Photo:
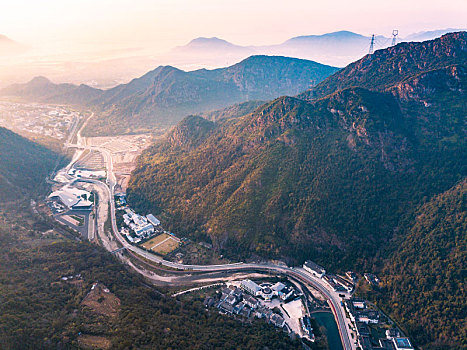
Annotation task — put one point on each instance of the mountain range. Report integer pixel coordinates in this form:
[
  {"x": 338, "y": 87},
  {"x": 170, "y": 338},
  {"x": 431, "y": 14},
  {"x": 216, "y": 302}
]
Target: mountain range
[
  {"x": 166, "y": 94},
  {"x": 341, "y": 174},
  {"x": 337, "y": 48},
  {"x": 108, "y": 69}
]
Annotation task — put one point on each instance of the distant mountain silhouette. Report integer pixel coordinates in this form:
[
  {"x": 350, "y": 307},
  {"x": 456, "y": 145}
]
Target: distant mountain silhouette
[
  {"x": 337, "y": 48},
  {"x": 165, "y": 95},
  {"x": 429, "y": 35},
  {"x": 10, "y": 47}
]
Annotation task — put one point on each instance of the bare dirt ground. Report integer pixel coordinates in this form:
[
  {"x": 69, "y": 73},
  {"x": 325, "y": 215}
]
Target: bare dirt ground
[
  {"x": 124, "y": 150},
  {"x": 87, "y": 341},
  {"x": 100, "y": 300},
  {"x": 91, "y": 160},
  {"x": 106, "y": 238}
]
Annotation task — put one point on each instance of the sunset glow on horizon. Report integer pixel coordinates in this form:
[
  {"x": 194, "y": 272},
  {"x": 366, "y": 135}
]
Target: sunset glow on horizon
[{"x": 86, "y": 25}]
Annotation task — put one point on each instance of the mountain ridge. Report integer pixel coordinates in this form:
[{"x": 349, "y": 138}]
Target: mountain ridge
[
  {"x": 366, "y": 177},
  {"x": 389, "y": 65},
  {"x": 165, "y": 95},
  {"x": 386, "y": 132}
]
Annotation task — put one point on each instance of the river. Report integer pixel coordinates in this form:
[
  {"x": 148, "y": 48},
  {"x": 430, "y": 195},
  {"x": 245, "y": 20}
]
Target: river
[{"x": 326, "y": 319}]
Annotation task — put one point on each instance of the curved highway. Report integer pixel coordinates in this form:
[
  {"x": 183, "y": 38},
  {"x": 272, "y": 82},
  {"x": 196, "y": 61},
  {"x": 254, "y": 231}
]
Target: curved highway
[{"x": 297, "y": 273}]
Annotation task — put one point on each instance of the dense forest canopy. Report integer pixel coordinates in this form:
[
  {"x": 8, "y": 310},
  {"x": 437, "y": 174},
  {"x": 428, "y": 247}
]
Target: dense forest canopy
[
  {"x": 24, "y": 165},
  {"x": 425, "y": 278},
  {"x": 366, "y": 171},
  {"x": 329, "y": 179}
]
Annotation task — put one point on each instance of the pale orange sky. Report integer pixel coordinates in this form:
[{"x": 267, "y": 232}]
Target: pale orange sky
[{"x": 90, "y": 25}]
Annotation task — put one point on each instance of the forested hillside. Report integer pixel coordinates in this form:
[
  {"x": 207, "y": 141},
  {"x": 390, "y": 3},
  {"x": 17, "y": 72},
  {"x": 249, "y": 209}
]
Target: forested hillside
[
  {"x": 234, "y": 111},
  {"x": 329, "y": 179},
  {"x": 371, "y": 174},
  {"x": 390, "y": 66},
  {"x": 424, "y": 279},
  {"x": 24, "y": 165},
  {"x": 46, "y": 281},
  {"x": 40, "y": 310}
]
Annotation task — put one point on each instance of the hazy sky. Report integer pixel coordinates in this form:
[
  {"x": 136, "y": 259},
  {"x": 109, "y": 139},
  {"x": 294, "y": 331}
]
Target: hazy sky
[{"x": 112, "y": 24}]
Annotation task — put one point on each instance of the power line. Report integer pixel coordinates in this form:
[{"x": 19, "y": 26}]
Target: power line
[
  {"x": 395, "y": 32},
  {"x": 372, "y": 44}
]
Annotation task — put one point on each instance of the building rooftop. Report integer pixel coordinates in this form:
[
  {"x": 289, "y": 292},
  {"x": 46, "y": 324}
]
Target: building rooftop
[
  {"x": 250, "y": 286},
  {"x": 402, "y": 343},
  {"x": 392, "y": 333},
  {"x": 278, "y": 286},
  {"x": 362, "y": 329},
  {"x": 231, "y": 300},
  {"x": 71, "y": 196},
  {"x": 277, "y": 320},
  {"x": 226, "y": 306},
  {"x": 313, "y": 266},
  {"x": 250, "y": 299},
  {"x": 226, "y": 291},
  {"x": 153, "y": 220}
]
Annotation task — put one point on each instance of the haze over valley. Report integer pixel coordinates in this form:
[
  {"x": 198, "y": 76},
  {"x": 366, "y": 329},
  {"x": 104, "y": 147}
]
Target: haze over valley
[{"x": 218, "y": 175}]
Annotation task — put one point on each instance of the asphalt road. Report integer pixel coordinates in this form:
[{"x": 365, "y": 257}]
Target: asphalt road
[{"x": 297, "y": 273}]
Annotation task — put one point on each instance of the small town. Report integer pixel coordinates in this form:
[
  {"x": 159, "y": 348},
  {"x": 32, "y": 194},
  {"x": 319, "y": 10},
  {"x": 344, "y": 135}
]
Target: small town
[
  {"x": 53, "y": 121},
  {"x": 279, "y": 304}
]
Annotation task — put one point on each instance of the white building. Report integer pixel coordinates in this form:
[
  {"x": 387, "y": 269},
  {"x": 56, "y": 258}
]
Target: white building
[
  {"x": 144, "y": 230},
  {"x": 314, "y": 269},
  {"x": 73, "y": 198},
  {"x": 278, "y": 287},
  {"x": 139, "y": 220},
  {"x": 153, "y": 220},
  {"x": 250, "y": 287}
]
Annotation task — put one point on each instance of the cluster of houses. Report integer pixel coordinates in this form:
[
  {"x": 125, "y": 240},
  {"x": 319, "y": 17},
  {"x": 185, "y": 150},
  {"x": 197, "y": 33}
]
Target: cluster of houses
[
  {"x": 337, "y": 283},
  {"x": 359, "y": 312},
  {"x": 361, "y": 317},
  {"x": 244, "y": 301},
  {"x": 142, "y": 226}
]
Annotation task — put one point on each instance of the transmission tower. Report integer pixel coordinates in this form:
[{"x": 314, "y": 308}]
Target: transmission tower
[
  {"x": 395, "y": 32},
  {"x": 372, "y": 44}
]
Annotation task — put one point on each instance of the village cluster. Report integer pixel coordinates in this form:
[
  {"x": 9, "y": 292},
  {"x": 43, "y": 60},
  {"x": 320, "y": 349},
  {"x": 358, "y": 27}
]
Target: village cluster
[
  {"x": 361, "y": 317},
  {"x": 268, "y": 301},
  {"x": 144, "y": 230}
]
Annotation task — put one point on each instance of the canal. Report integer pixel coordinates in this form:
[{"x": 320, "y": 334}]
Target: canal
[{"x": 326, "y": 319}]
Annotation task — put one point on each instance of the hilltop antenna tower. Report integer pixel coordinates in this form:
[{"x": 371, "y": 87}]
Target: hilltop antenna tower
[
  {"x": 372, "y": 44},
  {"x": 395, "y": 32}
]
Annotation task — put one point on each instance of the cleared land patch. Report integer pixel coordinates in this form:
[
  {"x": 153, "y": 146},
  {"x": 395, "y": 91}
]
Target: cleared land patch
[
  {"x": 162, "y": 244},
  {"x": 101, "y": 301},
  {"x": 87, "y": 341}
]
